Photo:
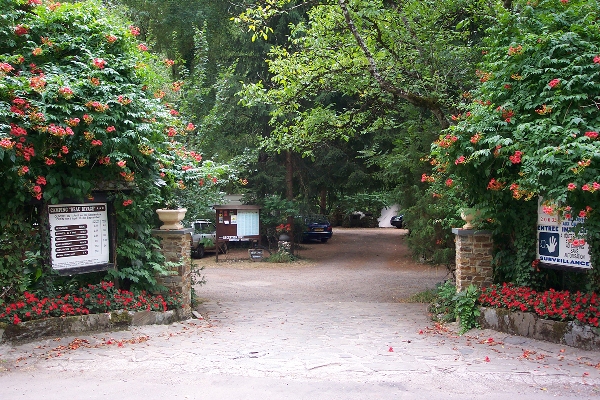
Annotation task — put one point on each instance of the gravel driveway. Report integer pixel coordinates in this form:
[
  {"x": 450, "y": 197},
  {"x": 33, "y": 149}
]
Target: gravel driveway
[
  {"x": 365, "y": 265},
  {"x": 332, "y": 326}
]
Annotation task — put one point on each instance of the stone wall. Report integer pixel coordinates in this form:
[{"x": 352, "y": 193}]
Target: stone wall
[
  {"x": 176, "y": 247},
  {"x": 474, "y": 252},
  {"x": 530, "y": 325},
  {"x": 81, "y": 324}
]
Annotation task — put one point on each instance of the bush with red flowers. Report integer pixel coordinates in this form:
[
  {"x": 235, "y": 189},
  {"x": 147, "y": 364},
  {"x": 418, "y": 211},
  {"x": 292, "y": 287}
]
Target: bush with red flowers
[
  {"x": 100, "y": 298},
  {"x": 83, "y": 109},
  {"x": 530, "y": 130},
  {"x": 550, "y": 304}
]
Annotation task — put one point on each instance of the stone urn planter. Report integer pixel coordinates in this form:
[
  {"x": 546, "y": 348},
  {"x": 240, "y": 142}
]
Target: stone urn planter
[
  {"x": 468, "y": 215},
  {"x": 171, "y": 218}
]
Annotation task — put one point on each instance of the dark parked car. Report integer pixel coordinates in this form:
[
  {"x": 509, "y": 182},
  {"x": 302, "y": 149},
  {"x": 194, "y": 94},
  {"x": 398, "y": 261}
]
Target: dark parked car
[
  {"x": 316, "y": 227},
  {"x": 397, "y": 221}
]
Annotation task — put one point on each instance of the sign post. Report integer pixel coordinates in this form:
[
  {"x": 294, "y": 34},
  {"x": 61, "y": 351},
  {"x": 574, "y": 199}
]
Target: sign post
[
  {"x": 237, "y": 223},
  {"x": 79, "y": 237},
  {"x": 558, "y": 246}
]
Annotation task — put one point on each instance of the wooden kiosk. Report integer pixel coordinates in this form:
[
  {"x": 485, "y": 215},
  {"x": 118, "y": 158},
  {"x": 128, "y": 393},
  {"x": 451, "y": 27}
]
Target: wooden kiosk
[{"x": 237, "y": 223}]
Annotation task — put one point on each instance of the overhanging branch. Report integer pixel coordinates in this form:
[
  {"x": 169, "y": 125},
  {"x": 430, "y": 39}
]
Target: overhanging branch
[{"x": 417, "y": 100}]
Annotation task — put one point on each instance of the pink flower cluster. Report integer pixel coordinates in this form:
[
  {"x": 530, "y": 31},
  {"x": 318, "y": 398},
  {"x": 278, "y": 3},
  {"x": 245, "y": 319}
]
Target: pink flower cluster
[
  {"x": 20, "y": 30},
  {"x": 56, "y": 130},
  {"x": 427, "y": 178},
  {"x": 99, "y": 63},
  {"x": 65, "y": 92},
  {"x": 493, "y": 184},
  {"x": 591, "y": 134},
  {"x": 447, "y": 141},
  {"x": 591, "y": 187},
  {"x": 588, "y": 187},
  {"x": 134, "y": 30},
  {"x": 6, "y": 67},
  {"x": 549, "y": 210}
]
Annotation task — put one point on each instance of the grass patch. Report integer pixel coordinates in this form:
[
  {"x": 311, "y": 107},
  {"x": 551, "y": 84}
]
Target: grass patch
[
  {"x": 426, "y": 296},
  {"x": 280, "y": 257}
]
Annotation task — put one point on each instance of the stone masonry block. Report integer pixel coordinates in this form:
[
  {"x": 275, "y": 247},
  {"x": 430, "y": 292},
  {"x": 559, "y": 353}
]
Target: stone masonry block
[
  {"x": 473, "y": 259},
  {"x": 176, "y": 247}
]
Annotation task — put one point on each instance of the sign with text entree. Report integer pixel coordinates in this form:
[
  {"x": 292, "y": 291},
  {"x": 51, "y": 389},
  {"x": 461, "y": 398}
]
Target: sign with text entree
[{"x": 558, "y": 242}]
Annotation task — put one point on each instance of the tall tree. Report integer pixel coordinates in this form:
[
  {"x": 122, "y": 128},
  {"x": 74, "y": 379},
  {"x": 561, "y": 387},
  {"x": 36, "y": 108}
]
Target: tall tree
[{"x": 381, "y": 70}]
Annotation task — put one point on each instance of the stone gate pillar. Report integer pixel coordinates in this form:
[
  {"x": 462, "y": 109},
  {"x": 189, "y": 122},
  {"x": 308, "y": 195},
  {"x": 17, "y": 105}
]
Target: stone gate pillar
[
  {"x": 474, "y": 252},
  {"x": 176, "y": 247}
]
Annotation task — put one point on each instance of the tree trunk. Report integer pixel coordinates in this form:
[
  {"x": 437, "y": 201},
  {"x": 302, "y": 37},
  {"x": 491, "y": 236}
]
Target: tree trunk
[
  {"x": 289, "y": 191},
  {"x": 289, "y": 176},
  {"x": 323, "y": 201}
]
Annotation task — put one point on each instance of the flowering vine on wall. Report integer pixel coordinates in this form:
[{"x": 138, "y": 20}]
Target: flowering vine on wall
[
  {"x": 531, "y": 128},
  {"x": 83, "y": 106}
]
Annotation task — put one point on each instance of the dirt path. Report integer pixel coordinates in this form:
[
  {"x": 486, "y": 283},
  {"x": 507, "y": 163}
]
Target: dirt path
[
  {"x": 332, "y": 326},
  {"x": 367, "y": 265}
]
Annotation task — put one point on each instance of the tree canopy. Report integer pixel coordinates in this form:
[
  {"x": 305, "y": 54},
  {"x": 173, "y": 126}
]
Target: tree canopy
[{"x": 349, "y": 65}]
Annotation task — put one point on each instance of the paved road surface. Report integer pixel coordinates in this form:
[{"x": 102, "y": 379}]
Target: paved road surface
[{"x": 331, "y": 327}]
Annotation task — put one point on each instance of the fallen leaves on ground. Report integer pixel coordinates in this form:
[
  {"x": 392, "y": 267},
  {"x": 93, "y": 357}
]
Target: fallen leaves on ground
[{"x": 84, "y": 343}]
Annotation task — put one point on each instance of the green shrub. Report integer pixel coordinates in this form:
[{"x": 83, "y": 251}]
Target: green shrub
[
  {"x": 82, "y": 109},
  {"x": 466, "y": 308},
  {"x": 450, "y": 305},
  {"x": 281, "y": 257},
  {"x": 442, "y": 308}
]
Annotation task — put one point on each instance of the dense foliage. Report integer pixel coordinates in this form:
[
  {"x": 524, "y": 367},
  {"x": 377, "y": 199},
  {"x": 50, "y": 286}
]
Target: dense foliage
[
  {"x": 83, "y": 109},
  {"x": 531, "y": 130}
]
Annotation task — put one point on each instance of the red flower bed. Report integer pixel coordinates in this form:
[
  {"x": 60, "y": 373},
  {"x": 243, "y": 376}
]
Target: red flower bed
[
  {"x": 91, "y": 299},
  {"x": 551, "y": 304}
]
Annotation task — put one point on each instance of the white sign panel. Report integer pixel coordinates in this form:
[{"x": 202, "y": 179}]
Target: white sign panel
[
  {"x": 247, "y": 223},
  {"x": 78, "y": 235},
  {"x": 556, "y": 239}
]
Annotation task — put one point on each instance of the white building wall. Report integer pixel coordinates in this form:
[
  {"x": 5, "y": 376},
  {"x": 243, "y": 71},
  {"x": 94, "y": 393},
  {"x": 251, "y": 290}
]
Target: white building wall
[{"x": 386, "y": 214}]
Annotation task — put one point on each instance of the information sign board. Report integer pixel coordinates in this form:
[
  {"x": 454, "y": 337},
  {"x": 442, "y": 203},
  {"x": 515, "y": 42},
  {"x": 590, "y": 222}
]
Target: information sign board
[
  {"x": 78, "y": 235},
  {"x": 247, "y": 223},
  {"x": 256, "y": 254},
  {"x": 558, "y": 244}
]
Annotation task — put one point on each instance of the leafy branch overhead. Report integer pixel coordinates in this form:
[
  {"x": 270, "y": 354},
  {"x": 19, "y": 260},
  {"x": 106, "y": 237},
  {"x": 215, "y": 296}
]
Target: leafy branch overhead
[{"x": 367, "y": 55}]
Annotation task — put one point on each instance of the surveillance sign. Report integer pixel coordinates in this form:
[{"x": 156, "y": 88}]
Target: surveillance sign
[
  {"x": 558, "y": 244},
  {"x": 78, "y": 235}
]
